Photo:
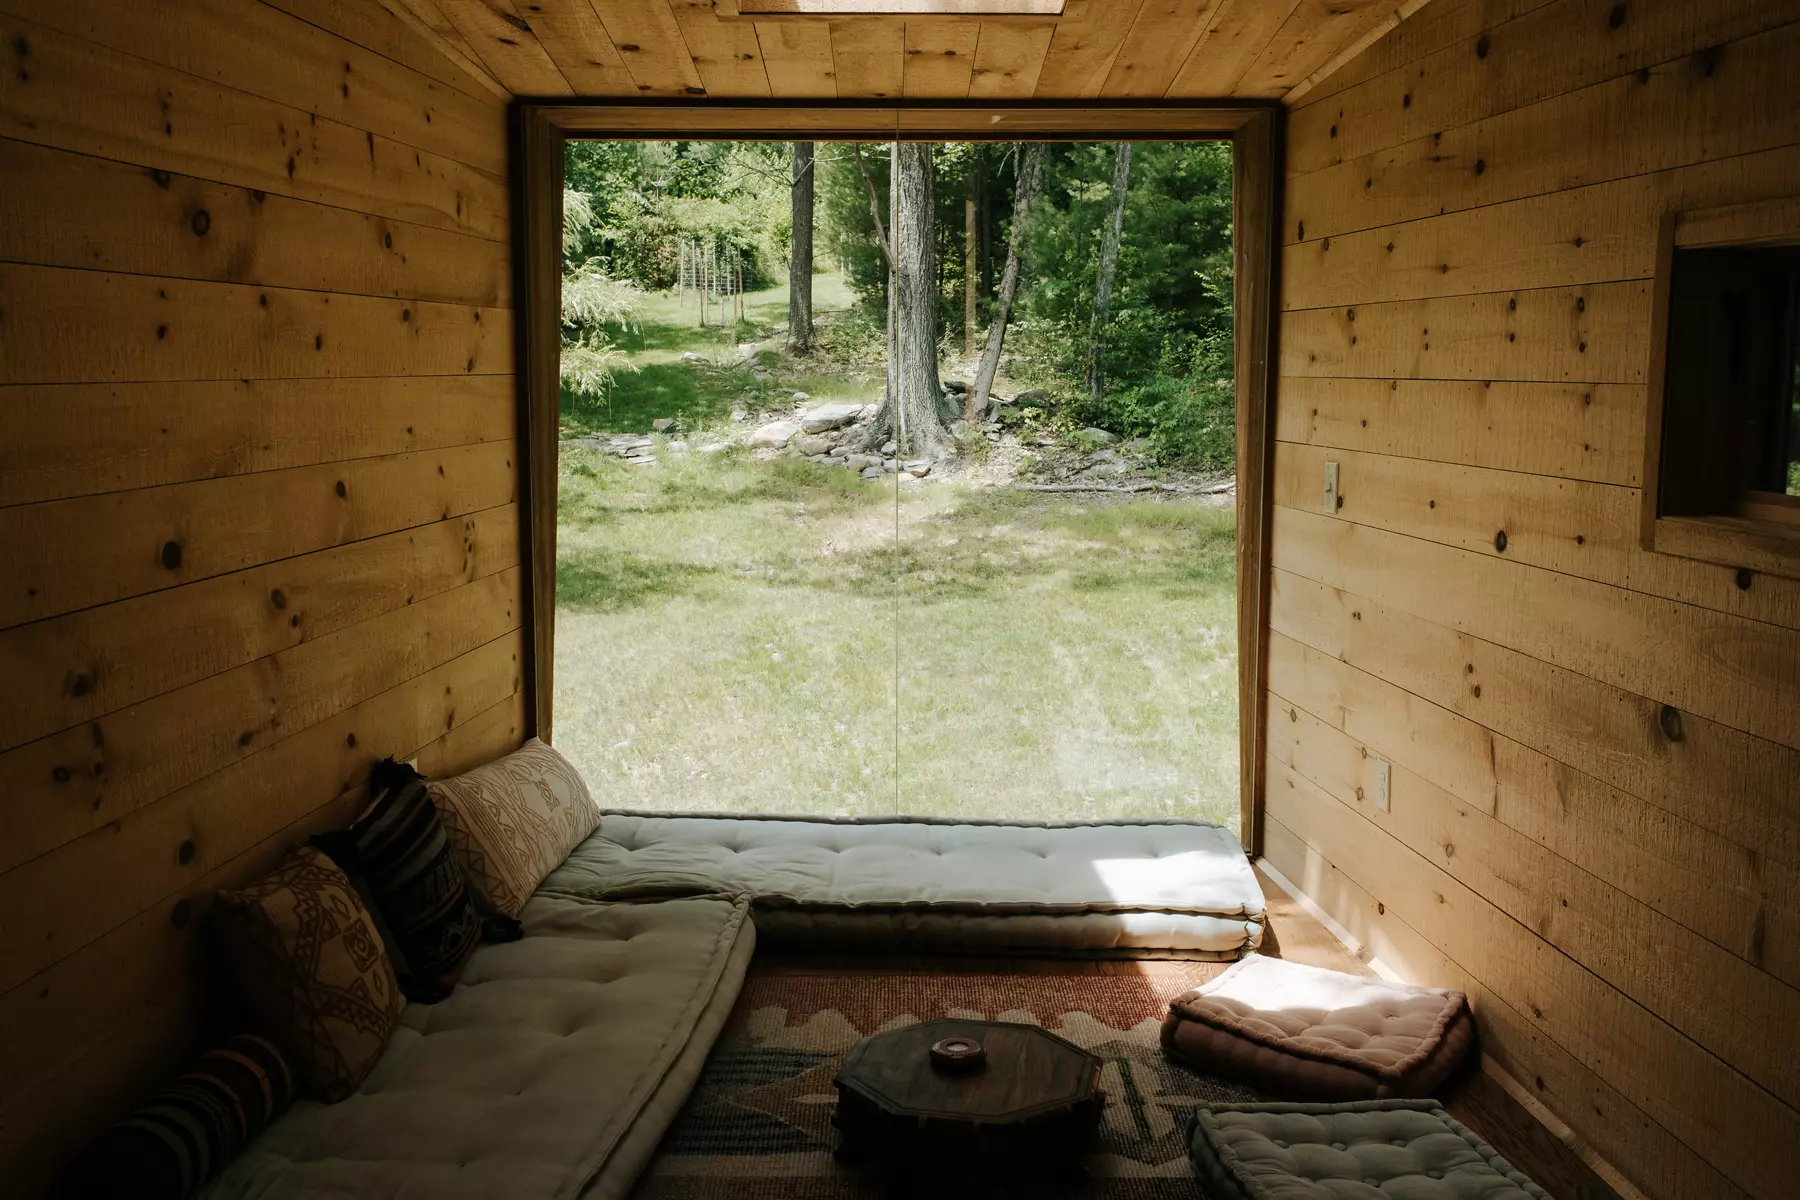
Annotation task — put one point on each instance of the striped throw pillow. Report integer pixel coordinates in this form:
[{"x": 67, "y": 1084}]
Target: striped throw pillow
[
  {"x": 400, "y": 859},
  {"x": 193, "y": 1127}
]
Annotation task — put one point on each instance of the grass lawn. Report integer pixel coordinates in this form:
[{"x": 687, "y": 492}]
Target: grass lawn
[
  {"x": 780, "y": 636},
  {"x": 745, "y": 636}
]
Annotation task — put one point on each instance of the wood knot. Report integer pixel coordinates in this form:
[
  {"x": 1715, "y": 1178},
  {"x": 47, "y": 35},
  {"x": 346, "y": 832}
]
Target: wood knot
[
  {"x": 201, "y": 222},
  {"x": 171, "y": 555},
  {"x": 1669, "y": 718}
]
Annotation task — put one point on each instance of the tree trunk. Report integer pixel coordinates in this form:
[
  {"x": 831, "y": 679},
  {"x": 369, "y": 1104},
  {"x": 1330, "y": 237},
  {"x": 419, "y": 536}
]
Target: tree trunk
[
  {"x": 971, "y": 267},
  {"x": 919, "y": 416},
  {"x": 800, "y": 262},
  {"x": 1031, "y": 166},
  {"x": 1109, "y": 265}
]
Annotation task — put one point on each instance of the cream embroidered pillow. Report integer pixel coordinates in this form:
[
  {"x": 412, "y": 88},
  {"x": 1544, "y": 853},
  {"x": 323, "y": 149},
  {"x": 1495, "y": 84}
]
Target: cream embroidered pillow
[{"x": 514, "y": 821}]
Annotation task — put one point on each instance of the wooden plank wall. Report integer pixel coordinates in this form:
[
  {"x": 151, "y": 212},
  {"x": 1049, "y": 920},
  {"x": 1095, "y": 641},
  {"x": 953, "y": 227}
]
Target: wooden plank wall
[
  {"x": 1595, "y": 803},
  {"x": 257, "y": 490}
]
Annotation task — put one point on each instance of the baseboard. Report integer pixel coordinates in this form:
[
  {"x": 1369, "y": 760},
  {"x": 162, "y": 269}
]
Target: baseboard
[{"x": 1519, "y": 1093}]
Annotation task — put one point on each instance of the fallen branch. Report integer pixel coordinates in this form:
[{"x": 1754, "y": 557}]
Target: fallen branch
[{"x": 1217, "y": 489}]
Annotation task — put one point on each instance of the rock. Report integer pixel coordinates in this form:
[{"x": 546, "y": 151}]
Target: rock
[
  {"x": 871, "y": 472},
  {"x": 808, "y": 444},
  {"x": 1031, "y": 398},
  {"x": 890, "y": 465},
  {"x": 1101, "y": 435},
  {"x": 829, "y": 416},
  {"x": 738, "y": 414},
  {"x": 678, "y": 445},
  {"x": 860, "y": 461},
  {"x": 775, "y": 434},
  {"x": 763, "y": 375},
  {"x": 663, "y": 423},
  {"x": 992, "y": 435},
  {"x": 959, "y": 386},
  {"x": 918, "y": 467},
  {"x": 818, "y": 458},
  {"x": 959, "y": 428},
  {"x": 714, "y": 448},
  {"x": 889, "y": 447},
  {"x": 801, "y": 397},
  {"x": 1137, "y": 446}
]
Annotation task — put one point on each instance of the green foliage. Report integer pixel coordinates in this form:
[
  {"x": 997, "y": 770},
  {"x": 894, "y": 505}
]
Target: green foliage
[{"x": 592, "y": 301}]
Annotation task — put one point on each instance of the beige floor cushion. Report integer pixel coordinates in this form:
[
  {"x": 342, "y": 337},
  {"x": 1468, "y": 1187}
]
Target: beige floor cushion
[
  {"x": 1304, "y": 1033},
  {"x": 1380, "y": 1149},
  {"x": 1178, "y": 889},
  {"x": 549, "y": 1073}
]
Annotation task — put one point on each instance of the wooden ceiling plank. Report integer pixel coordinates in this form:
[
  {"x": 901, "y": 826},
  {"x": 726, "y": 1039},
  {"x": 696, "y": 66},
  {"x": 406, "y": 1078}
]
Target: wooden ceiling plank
[
  {"x": 398, "y": 36},
  {"x": 869, "y": 57},
  {"x": 940, "y": 59},
  {"x": 1081, "y": 54},
  {"x": 797, "y": 58},
  {"x": 1386, "y": 20},
  {"x": 1157, "y": 45},
  {"x": 1240, "y": 31},
  {"x": 1009, "y": 59},
  {"x": 504, "y": 41},
  {"x": 1312, "y": 36},
  {"x": 423, "y": 17},
  {"x": 650, "y": 42},
  {"x": 571, "y": 33},
  {"x": 726, "y": 53}
]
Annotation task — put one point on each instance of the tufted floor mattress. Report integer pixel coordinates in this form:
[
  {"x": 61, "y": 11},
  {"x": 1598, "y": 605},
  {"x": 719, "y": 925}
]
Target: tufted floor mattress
[
  {"x": 1374, "y": 1149},
  {"x": 550, "y": 1073},
  {"x": 1128, "y": 889}
]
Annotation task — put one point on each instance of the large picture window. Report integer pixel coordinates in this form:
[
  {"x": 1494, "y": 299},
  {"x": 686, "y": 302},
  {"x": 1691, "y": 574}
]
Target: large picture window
[{"x": 898, "y": 475}]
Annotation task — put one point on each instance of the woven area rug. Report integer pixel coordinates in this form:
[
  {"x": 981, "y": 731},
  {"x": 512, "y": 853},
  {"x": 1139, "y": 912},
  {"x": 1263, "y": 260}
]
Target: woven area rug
[{"x": 758, "y": 1126}]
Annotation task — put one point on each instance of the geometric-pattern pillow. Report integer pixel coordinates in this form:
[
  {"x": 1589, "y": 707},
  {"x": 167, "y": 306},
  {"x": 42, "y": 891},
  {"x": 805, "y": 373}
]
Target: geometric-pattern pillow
[
  {"x": 514, "y": 821},
  {"x": 193, "y": 1127},
  {"x": 307, "y": 957},
  {"x": 399, "y": 858}
]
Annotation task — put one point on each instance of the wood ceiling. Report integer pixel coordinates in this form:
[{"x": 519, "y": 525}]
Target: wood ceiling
[{"x": 1142, "y": 49}]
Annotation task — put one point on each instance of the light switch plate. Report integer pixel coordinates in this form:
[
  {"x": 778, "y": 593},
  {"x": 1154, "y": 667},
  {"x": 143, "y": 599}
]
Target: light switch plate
[
  {"x": 1331, "y": 487},
  {"x": 1381, "y": 784}
]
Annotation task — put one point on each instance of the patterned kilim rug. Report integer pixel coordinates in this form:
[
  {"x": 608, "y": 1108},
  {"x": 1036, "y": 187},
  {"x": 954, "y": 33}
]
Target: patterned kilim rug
[{"x": 758, "y": 1126}]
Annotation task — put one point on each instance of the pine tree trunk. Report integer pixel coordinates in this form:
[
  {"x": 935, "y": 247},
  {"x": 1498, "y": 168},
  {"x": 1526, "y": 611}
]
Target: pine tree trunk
[
  {"x": 800, "y": 262},
  {"x": 1031, "y": 166},
  {"x": 1109, "y": 265}
]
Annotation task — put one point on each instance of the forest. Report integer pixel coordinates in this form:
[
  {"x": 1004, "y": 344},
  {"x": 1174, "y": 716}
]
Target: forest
[
  {"x": 899, "y": 478},
  {"x": 1096, "y": 277}
]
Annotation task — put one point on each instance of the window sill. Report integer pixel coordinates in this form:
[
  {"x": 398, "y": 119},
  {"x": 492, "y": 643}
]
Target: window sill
[{"x": 1770, "y": 547}]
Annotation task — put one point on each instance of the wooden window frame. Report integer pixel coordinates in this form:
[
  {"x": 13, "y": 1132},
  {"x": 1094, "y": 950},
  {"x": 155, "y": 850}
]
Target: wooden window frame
[
  {"x": 539, "y": 130},
  {"x": 1764, "y": 533}
]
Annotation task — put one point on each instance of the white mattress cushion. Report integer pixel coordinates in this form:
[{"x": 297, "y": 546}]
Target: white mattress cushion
[
  {"x": 527, "y": 1079},
  {"x": 1176, "y": 887}
]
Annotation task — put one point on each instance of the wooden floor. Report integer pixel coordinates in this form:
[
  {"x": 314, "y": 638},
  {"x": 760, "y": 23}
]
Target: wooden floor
[{"x": 1475, "y": 1099}]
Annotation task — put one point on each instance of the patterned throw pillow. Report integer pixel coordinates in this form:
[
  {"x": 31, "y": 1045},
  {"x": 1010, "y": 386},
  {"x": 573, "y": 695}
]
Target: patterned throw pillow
[
  {"x": 196, "y": 1125},
  {"x": 399, "y": 859},
  {"x": 515, "y": 820},
  {"x": 310, "y": 962}
]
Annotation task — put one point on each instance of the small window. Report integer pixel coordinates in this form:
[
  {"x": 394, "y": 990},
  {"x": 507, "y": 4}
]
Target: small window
[{"x": 1724, "y": 470}]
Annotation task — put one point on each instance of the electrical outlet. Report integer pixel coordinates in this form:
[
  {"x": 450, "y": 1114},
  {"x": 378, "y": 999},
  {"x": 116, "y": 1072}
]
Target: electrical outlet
[
  {"x": 1381, "y": 784},
  {"x": 1331, "y": 487}
]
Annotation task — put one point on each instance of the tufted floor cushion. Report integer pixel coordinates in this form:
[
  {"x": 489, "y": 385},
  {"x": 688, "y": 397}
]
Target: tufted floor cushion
[
  {"x": 1305, "y": 1033},
  {"x": 1176, "y": 889},
  {"x": 1373, "y": 1149},
  {"x": 550, "y": 1072}
]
